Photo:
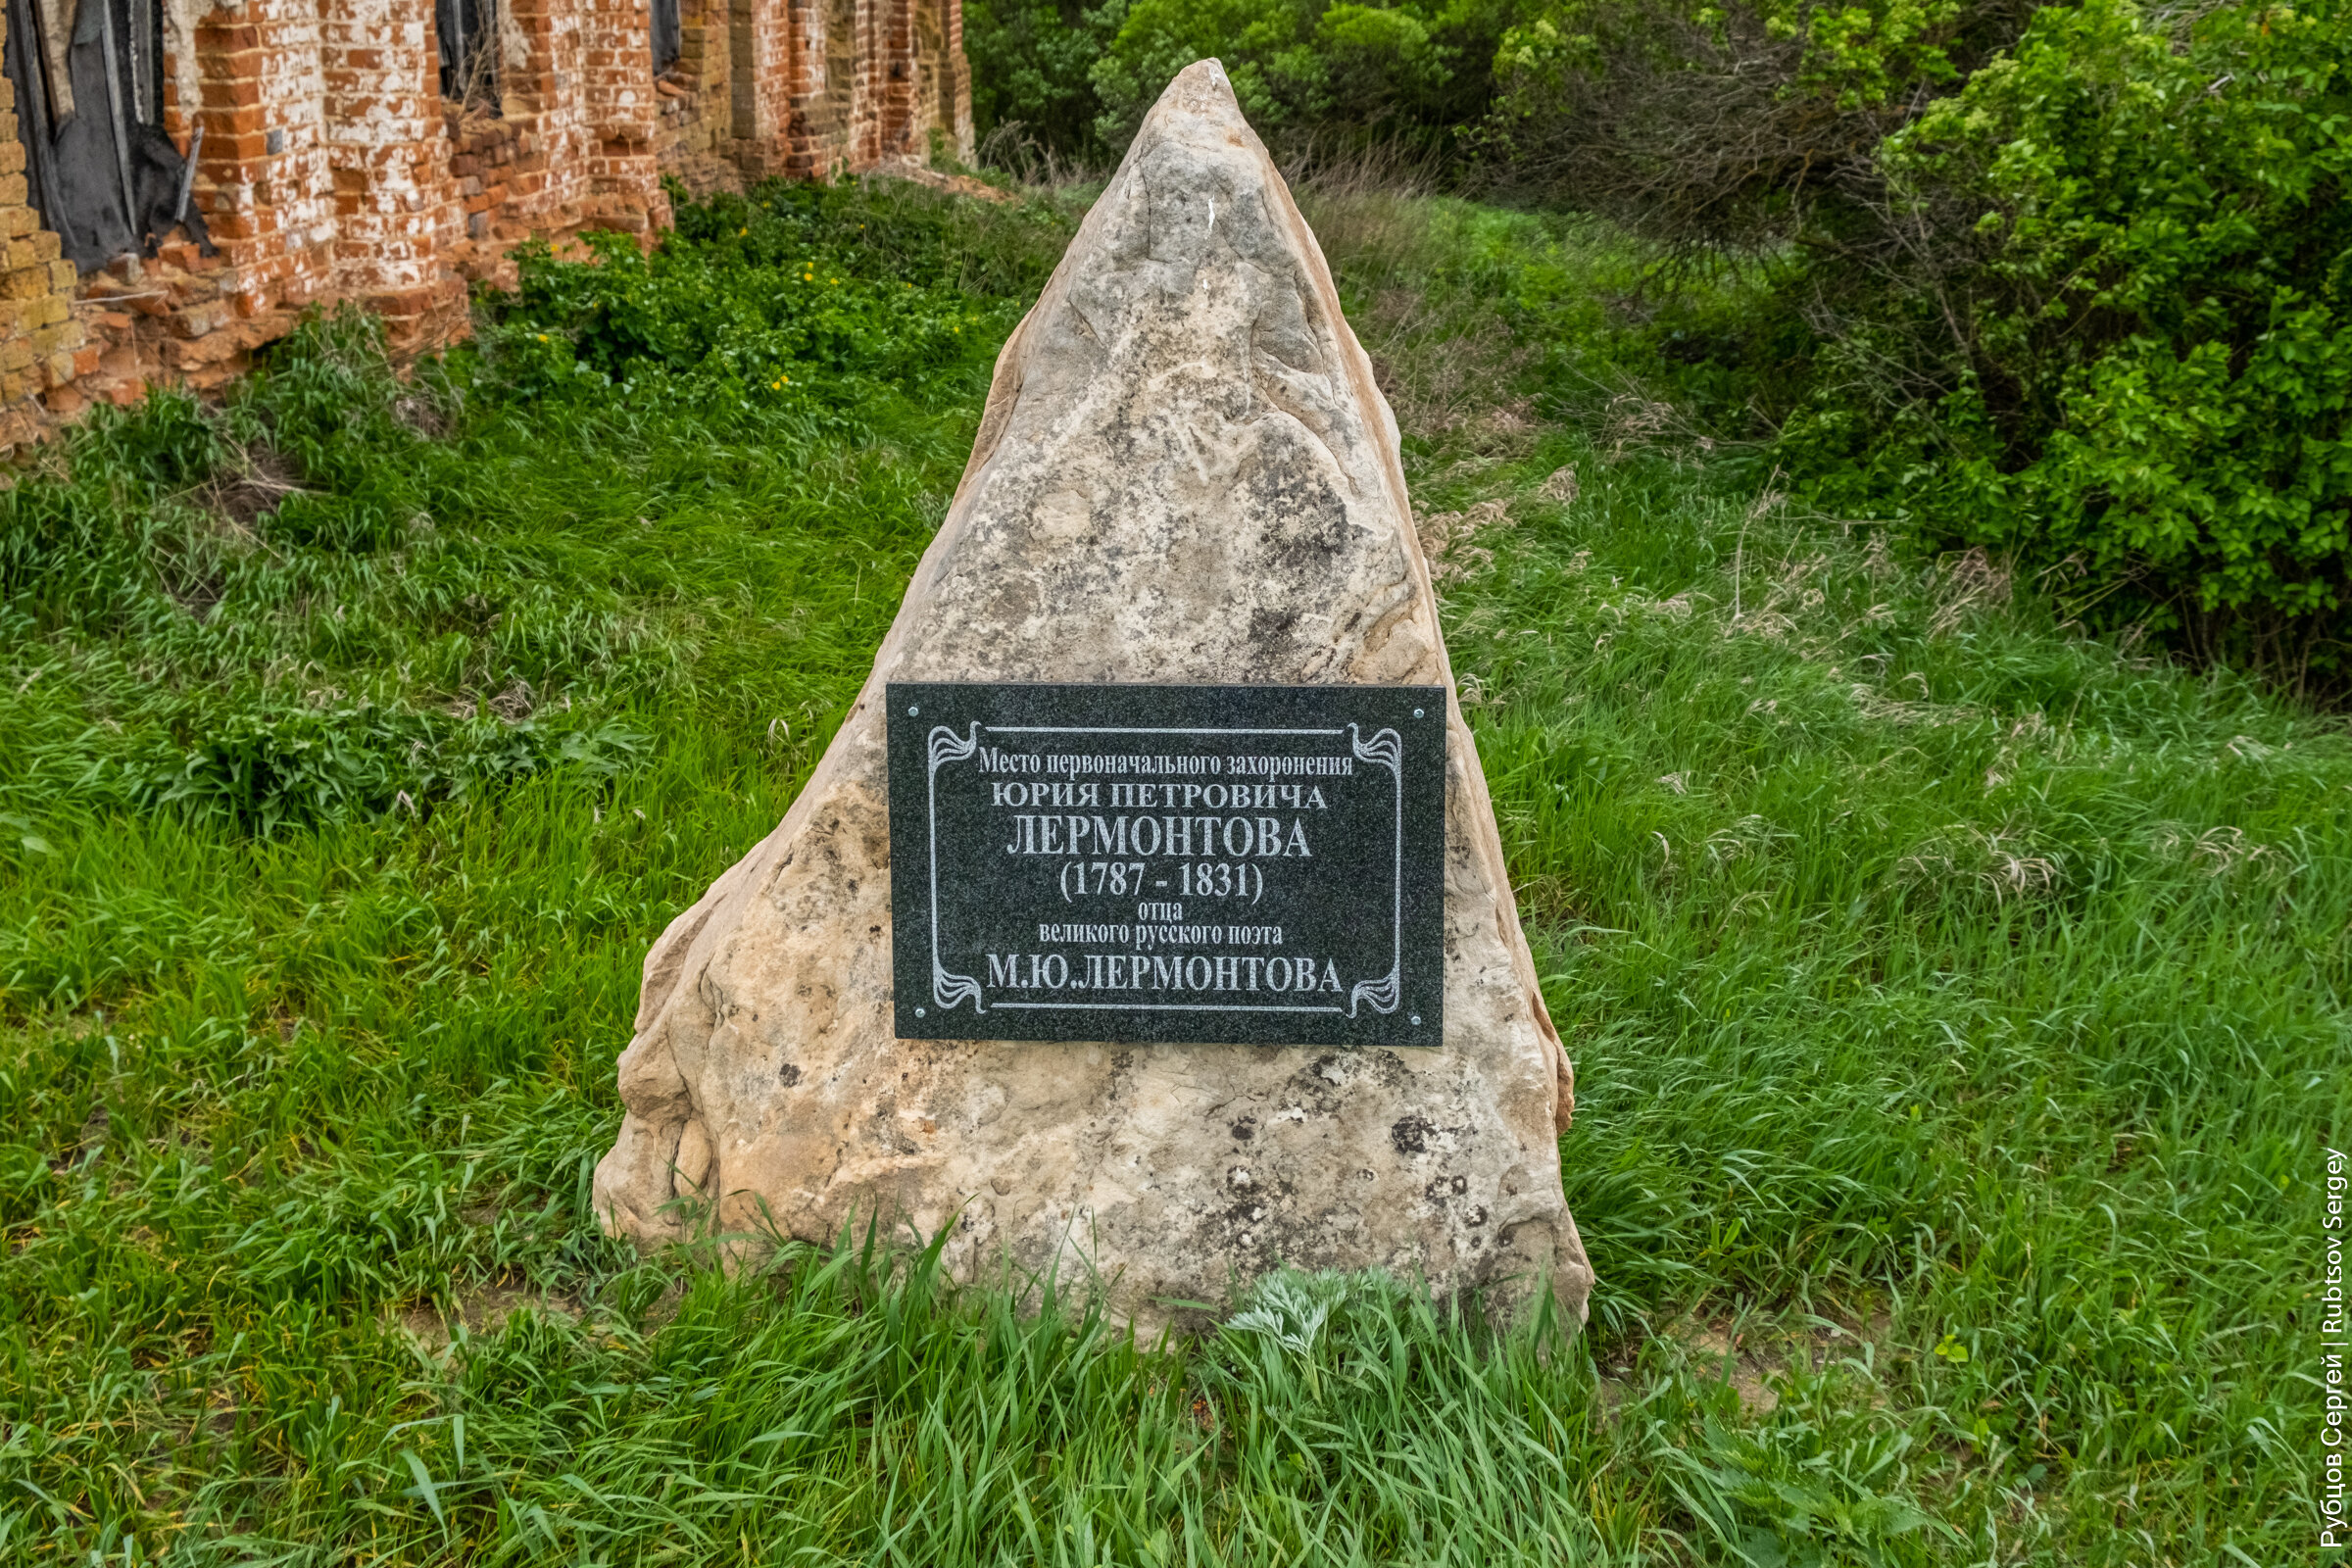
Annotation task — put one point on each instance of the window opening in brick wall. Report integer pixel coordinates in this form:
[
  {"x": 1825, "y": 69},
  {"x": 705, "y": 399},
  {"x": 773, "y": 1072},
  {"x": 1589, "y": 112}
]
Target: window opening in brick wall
[
  {"x": 669, "y": 34},
  {"x": 468, "y": 34},
  {"x": 90, "y": 86}
]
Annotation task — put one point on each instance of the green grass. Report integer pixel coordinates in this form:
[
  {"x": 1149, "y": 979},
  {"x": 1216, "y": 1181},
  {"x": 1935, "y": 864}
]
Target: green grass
[{"x": 1956, "y": 999}]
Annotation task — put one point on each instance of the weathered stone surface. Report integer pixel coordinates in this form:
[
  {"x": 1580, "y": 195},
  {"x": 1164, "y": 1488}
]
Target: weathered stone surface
[{"x": 1185, "y": 473}]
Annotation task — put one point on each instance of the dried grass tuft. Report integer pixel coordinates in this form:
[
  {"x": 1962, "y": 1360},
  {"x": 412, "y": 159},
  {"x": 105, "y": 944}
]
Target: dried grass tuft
[
  {"x": 1967, "y": 585},
  {"x": 2003, "y": 863},
  {"x": 1446, "y": 538}
]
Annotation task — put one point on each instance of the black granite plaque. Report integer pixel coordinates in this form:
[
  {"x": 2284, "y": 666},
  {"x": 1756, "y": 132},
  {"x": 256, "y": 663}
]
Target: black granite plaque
[{"x": 1261, "y": 864}]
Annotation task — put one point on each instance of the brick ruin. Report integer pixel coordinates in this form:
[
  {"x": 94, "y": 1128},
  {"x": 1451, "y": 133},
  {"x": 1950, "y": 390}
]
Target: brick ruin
[{"x": 391, "y": 151}]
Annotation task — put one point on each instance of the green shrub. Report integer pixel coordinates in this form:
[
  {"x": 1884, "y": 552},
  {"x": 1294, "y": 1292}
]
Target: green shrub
[
  {"x": 1707, "y": 124},
  {"x": 1414, "y": 73},
  {"x": 1032, "y": 76},
  {"x": 766, "y": 316},
  {"x": 2103, "y": 322},
  {"x": 791, "y": 307},
  {"x": 1079, "y": 80},
  {"x": 2066, "y": 282}
]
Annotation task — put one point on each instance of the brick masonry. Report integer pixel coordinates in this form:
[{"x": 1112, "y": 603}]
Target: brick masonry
[{"x": 332, "y": 167}]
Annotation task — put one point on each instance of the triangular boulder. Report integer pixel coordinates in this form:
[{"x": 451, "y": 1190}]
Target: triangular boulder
[{"x": 1185, "y": 474}]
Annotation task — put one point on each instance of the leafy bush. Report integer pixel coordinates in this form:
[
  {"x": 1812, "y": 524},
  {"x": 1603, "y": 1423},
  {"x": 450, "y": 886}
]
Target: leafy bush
[
  {"x": 753, "y": 310},
  {"x": 2066, "y": 282},
  {"x": 1301, "y": 69},
  {"x": 2102, "y": 320},
  {"x": 1075, "y": 82},
  {"x": 1744, "y": 123},
  {"x": 1032, "y": 76}
]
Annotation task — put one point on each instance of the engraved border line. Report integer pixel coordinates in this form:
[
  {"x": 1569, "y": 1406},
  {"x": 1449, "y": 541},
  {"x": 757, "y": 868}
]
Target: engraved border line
[
  {"x": 1364, "y": 990},
  {"x": 1162, "y": 1007},
  {"x": 1106, "y": 729}
]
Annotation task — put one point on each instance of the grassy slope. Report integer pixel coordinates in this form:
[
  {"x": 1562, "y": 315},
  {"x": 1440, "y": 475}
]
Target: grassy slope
[{"x": 1953, "y": 1000}]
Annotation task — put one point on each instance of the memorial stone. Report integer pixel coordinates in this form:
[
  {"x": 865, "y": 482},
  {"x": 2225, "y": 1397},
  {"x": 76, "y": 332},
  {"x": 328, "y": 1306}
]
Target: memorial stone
[{"x": 1185, "y": 477}]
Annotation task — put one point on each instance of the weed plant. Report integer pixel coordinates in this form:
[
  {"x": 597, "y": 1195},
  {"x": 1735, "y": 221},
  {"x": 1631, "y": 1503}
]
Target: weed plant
[{"x": 1953, "y": 996}]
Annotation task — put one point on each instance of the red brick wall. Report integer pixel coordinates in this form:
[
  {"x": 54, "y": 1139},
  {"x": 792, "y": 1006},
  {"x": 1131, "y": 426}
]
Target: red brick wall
[
  {"x": 331, "y": 168},
  {"x": 396, "y": 201}
]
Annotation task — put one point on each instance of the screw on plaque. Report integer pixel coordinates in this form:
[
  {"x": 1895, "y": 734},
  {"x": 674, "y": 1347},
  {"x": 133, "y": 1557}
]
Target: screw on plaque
[
  {"x": 911, "y": 711},
  {"x": 1416, "y": 712},
  {"x": 1416, "y": 1020},
  {"x": 918, "y": 1012}
]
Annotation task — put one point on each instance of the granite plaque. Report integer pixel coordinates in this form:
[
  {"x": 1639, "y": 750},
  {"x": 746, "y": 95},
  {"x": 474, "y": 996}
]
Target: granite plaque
[{"x": 1257, "y": 865}]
